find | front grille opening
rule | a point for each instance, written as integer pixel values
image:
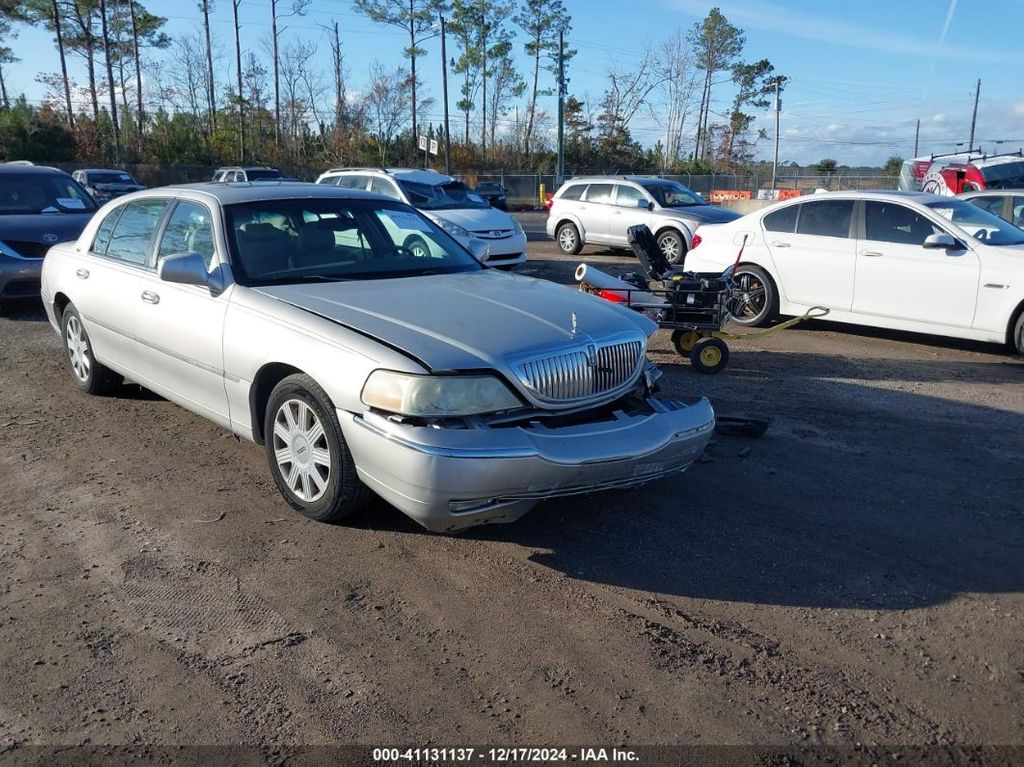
(584, 372)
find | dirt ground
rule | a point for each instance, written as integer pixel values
(855, 576)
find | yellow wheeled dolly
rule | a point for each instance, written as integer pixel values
(707, 349)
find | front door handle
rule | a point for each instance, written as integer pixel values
(150, 297)
(82, 274)
(780, 244)
(871, 253)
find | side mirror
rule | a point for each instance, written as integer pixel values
(184, 268)
(943, 240)
(480, 249)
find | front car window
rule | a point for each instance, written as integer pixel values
(189, 230)
(353, 182)
(289, 241)
(825, 218)
(889, 222)
(133, 233)
(31, 193)
(979, 224)
(671, 194)
(384, 187)
(452, 195)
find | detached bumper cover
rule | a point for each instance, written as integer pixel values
(450, 479)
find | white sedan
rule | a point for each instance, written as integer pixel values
(900, 260)
(296, 316)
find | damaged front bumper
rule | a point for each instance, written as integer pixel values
(448, 479)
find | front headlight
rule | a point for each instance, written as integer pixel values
(453, 229)
(436, 396)
(518, 227)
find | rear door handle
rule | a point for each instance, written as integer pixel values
(780, 244)
(871, 253)
(150, 297)
(82, 274)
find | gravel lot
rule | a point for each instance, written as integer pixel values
(855, 576)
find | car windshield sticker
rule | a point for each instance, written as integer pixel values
(72, 203)
(405, 220)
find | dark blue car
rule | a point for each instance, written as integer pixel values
(39, 207)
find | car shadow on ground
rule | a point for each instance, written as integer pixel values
(833, 509)
(921, 339)
(23, 310)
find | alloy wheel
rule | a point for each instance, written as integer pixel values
(301, 450)
(750, 298)
(78, 349)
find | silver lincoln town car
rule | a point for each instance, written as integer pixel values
(366, 350)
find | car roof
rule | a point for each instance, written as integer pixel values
(30, 170)
(253, 191)
(102, 170)
(990, 193)
(408, 174)
(893, 195)
(245, 168)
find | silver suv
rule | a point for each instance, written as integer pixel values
(599, 210)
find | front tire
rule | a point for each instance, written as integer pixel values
(309, 460)
(87, 374)
(755, 303)
(672, 246)
(568, 237)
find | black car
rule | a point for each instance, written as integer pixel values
(39, 207)
(105, 185)
(494, 193)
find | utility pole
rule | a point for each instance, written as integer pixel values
(444, 87)
(974, 117)
(241, 98)
(560, 164)
(778, 109)
(917, 136)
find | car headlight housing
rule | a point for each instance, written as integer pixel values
(518, 227)
(453, 229)
(437, 396)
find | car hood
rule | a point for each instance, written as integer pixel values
(704, 214)
(475, 219)
(36, 226)
(465, 321)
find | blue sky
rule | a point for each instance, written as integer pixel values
(862, 73)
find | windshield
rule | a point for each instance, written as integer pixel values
(110, 177)
(1004, 175)
(489, 187)
(27, 193)
(448, 196)
(978, 223)
(279, 242)
(671, 194)
(255, 174)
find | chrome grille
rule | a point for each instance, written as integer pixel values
(584, 372)
(494, 234)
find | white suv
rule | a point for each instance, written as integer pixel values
(449, 203)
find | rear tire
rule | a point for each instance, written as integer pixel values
(756, 301)
(308, 458)
(87, 374)
(568, 237)
(417, 246)
(1018, 336)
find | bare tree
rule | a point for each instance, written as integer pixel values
(205, 6)
(627, 93)
(387, 102)
(298, 8)
(675, 68)
(110, 79)
(238, 72)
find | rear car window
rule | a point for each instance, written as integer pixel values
(574, 192)
(134, 231)
(599, 193)
(825, 218)
(781, 220)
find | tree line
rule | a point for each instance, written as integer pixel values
(151, 97)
